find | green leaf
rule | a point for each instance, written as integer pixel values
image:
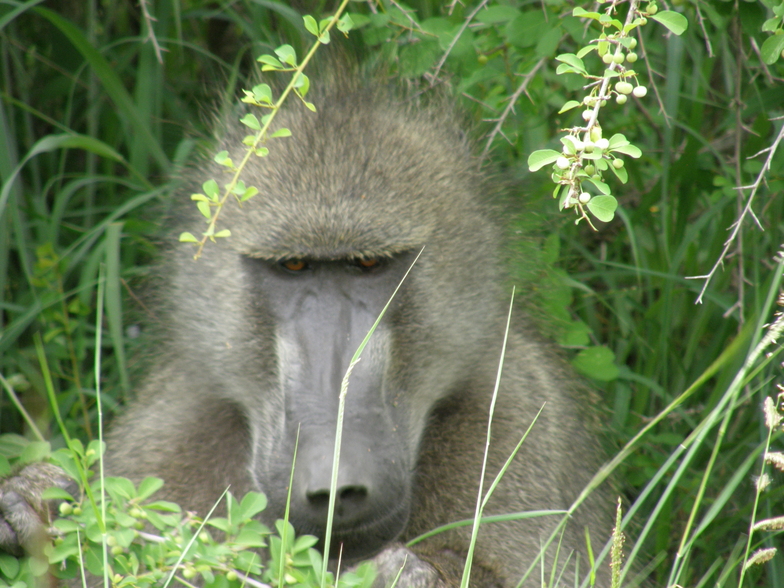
(569, 105)
(284, 132)
(204, 208)
(35, 451)
(270, 63)
(66, 525)
(310, 25)
(581, 12)
(252, 504)
(548, 43)
(497, 14)
(597, 363)
(239, 188)
(526, 29)
(262, 152)
(222, 234)
(572, 60)
(576, 334)
(250, 121)
(618, 140)
(771, 25)
(538, 159)
(674, 21)
(121, 487)
(621, 173)
(222, 158)
(346, 23)
(630, 150)
(56, 493)
(607, 19)
(586, 50)
(262, 93)
(304, 542)
(164, 506)
(9, 566)
(249, 193)
(250, 538)
(771, 49)
(603, 207)
(220, 523)
(417, 58)
(564, 68)
(148, 487)
(210, 187)
(287, 55)
(601, 186)
(302, 85)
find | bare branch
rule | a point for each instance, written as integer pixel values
(149, 19)
(467, 21)
(510, 105)
(746, 210)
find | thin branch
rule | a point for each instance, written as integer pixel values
(414, 24)
(746, 210)
(701, 20)
(651, 78)
(149, 19)
(457, 36)
(510, 105)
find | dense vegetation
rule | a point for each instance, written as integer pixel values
(103, 102)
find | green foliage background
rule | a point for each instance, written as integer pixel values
(93, 125)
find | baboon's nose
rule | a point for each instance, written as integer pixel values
(350, 499)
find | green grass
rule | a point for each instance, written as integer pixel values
(92, 127)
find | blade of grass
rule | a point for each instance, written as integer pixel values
(339, 428)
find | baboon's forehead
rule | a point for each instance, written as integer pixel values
(366, 181)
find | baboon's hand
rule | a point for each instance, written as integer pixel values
(416, 573)
(24, 515)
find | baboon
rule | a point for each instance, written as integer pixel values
(259, 332)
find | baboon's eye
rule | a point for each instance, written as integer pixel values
(368, 263)
(294, 265)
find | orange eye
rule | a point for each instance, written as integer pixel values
(368, 263)
(294, 265)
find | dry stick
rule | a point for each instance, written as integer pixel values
(652, 80)
(149, 19)
(454, 41)
(746, 210)
(701, 20)
(414, 24)
(512, 100)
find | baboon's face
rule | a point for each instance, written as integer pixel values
(276, 312)
(322, 310)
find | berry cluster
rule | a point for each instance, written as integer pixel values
(586, 153)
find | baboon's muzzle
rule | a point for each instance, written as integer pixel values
(321, 325)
